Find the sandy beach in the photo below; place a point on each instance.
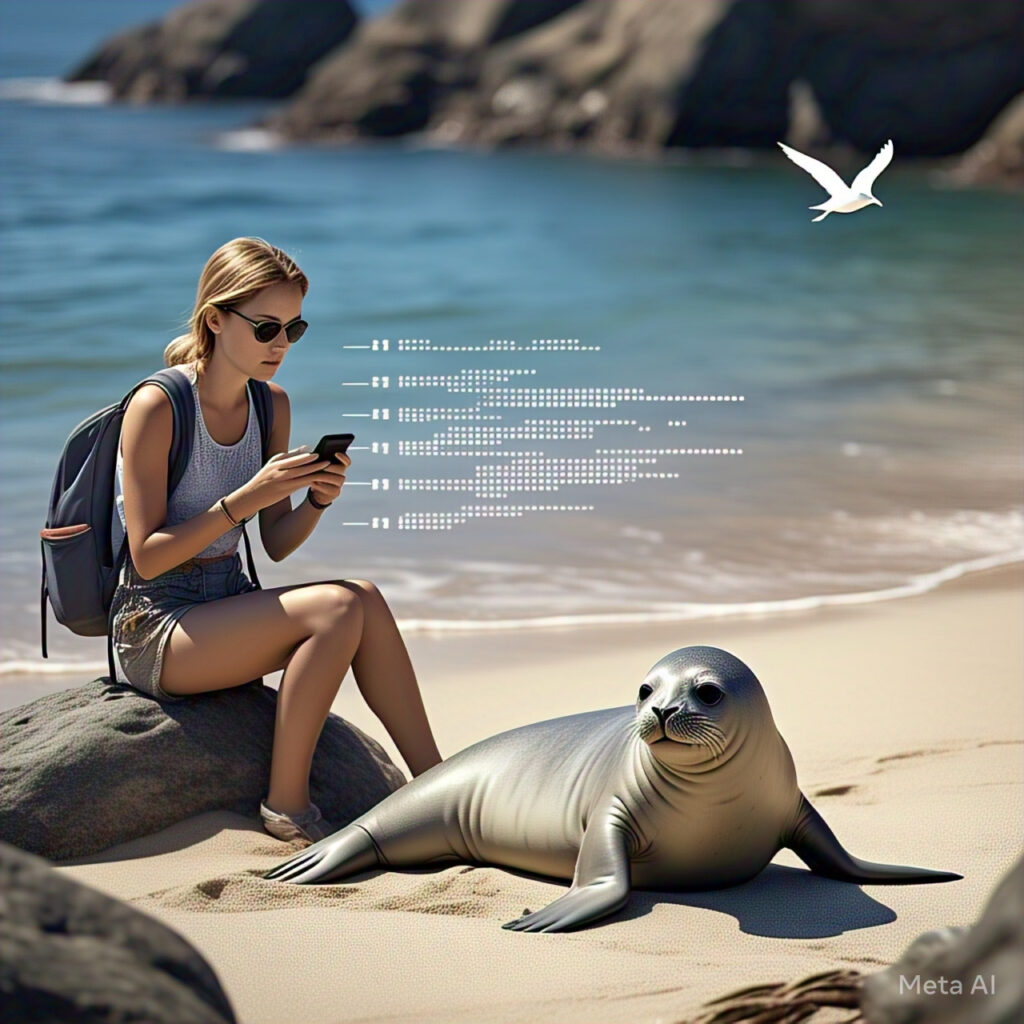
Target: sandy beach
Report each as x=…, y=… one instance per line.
x=905, y=719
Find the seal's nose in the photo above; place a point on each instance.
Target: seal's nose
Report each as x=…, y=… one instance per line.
x=664, y=714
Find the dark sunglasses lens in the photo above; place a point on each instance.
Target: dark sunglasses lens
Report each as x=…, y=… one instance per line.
x=295, y=330
x=267, y=330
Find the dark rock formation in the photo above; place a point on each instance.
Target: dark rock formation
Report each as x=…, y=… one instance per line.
x=957, y=975
x=69, y=953
x=220, y=48
x=931, y=74
x=395, y=71
x=87, y=768
x=643, y=75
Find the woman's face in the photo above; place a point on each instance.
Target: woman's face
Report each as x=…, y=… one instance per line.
x=236, y=341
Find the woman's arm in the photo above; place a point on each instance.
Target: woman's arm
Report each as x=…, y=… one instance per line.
x=145, y=446
x=283, y=528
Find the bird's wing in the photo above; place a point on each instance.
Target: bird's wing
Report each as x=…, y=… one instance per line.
x=821, y=173
x=866, y=178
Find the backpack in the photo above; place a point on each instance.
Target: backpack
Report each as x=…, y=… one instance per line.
x=80, y=568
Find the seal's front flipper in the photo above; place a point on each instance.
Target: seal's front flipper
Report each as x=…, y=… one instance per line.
x=816, y=845
x=600, y=885
x=346, y=852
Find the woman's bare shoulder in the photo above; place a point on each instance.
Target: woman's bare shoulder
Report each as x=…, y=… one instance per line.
x=279, y=397
x=149, y=410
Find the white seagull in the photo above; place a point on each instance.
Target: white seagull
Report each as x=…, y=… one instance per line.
x=842, y=199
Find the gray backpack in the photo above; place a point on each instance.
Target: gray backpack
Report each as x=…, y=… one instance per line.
x=80, y=567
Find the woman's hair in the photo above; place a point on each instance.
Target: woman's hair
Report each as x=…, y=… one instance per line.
x=234, y=273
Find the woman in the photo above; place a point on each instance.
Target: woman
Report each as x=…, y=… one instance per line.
x=186, y=618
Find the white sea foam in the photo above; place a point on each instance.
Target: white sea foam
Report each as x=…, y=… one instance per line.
x=55, y=90
x=248, y=140
x=48, y=667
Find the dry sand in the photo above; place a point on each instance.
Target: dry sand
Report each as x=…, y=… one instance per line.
x=906, y=722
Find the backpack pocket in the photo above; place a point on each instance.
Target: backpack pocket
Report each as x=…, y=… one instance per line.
x=75, y=582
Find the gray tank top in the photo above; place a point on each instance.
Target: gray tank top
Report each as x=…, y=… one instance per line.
x=213, y=470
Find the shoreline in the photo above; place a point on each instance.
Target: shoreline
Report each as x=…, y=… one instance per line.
x=472, y=647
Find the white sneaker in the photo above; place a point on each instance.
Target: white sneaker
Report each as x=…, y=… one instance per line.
x=309, y=824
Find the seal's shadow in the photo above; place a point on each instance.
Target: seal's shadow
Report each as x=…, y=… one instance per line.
x=780, y=903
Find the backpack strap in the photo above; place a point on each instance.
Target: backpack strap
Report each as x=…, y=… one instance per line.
x=263, y=402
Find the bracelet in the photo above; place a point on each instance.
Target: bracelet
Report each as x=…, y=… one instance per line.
x=316, y=504
x=224, y=509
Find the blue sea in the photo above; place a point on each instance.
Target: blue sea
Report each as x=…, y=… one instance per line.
x=711, y=406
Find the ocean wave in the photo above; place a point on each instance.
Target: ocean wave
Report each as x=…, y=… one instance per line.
x=659, y=612
x=55, y=90
x=689, y=611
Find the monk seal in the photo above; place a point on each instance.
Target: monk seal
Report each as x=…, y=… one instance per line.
x=691, y=788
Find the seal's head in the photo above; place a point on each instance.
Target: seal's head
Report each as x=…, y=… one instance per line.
x=698, y=706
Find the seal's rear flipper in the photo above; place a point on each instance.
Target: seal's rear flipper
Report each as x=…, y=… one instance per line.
x=347, y=852
x=816, y=845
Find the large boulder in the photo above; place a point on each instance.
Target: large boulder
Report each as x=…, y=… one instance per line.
x=69, y=953
x=220, y=48
x=959, y=975
x=88, y=768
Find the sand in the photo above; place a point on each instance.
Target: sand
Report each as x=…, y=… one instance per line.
x=906, y=723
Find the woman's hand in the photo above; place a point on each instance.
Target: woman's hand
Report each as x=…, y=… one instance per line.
x=283, y=474
x=328, y=484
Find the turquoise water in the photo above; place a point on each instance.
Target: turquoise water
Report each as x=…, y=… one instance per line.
x=878, y=355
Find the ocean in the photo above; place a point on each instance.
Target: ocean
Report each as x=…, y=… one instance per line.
x=616, y=391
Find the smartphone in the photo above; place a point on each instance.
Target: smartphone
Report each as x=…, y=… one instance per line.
x=331, y=443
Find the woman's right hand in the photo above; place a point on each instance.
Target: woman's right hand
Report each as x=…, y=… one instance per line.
x=281, y=475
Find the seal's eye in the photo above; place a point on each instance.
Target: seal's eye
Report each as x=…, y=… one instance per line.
x=645, y=691
x=709, y=694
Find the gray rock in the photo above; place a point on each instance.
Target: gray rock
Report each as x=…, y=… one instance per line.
x=394, y=71
x=220, y=48
x=957, y=975
x=70, y=953
x=87, y=768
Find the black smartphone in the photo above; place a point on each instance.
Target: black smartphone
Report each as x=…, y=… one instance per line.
x=331, y=443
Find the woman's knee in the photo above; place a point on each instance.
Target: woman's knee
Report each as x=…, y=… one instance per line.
x=334, y=606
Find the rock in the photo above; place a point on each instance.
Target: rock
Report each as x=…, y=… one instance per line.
x=88, y=768
x=220, y=48
x=957, y=975
x=70, y=953
x=998, y=159
x=932, y=75
x=640, y=76
x=389, y=78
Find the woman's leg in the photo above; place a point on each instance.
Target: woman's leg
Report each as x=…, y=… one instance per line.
x=310, y=631
x=313, y=631
x=386, y=679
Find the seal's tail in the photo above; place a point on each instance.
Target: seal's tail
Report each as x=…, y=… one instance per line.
x=816, y=845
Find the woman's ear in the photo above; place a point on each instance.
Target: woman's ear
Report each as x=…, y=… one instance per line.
x=212, y=318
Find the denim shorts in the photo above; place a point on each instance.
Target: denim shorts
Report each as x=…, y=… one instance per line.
x=145, y=611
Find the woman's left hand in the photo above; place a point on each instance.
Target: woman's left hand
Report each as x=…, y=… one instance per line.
x=327, y=484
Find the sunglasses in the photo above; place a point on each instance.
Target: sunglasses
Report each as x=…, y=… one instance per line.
x=266, y=331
